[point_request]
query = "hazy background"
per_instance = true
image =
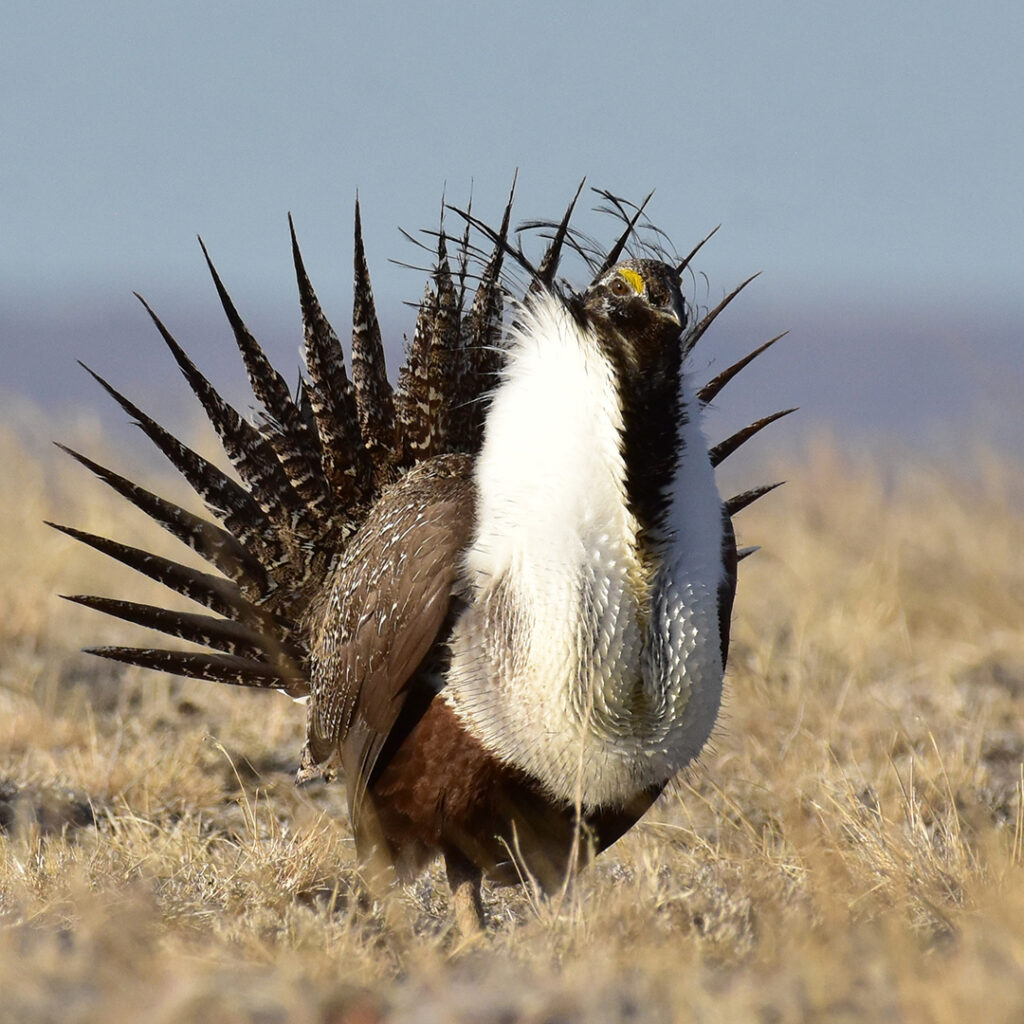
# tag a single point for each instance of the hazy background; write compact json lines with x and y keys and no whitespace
{"x":868,"y":158}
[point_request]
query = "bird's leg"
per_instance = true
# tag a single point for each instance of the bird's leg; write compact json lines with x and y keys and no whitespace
{"x":464,"y":879}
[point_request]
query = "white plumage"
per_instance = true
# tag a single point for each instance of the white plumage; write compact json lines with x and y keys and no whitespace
{"x":562,"y":665}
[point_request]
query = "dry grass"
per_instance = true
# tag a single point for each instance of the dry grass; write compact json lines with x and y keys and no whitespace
{"x":849,"y":850}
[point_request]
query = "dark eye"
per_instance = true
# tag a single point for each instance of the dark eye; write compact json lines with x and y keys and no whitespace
{"x":619,"y":287}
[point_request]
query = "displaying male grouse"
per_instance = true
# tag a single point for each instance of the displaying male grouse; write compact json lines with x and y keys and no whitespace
{"x":504,"y":586}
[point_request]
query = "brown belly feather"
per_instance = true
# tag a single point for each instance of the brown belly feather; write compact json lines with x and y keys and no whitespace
{"x":442,"y":791}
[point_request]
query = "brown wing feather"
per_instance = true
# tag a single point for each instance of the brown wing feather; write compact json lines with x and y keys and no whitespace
{"x":388,"y":601}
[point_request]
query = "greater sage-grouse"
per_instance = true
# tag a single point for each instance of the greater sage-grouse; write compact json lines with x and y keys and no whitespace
{"x":504,"y":585}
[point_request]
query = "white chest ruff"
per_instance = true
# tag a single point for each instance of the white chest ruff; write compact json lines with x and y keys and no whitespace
{"x":571,"y":662}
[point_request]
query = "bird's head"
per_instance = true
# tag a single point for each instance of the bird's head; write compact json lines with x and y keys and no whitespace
{"x":638,"y":299}
{"x":637,"y":312}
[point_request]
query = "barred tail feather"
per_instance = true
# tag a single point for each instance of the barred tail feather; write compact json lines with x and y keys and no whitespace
{"x":220,"y":634}
{"x":412,"y":397}
{"x":373,"y":392}
{"x":217,"y":668}
{"x":249,"y":452}
{"x":432,"y":379}
{"x":444,"y":369}
{"x":216,"y":545}
{"x":346,"y":461}
{"x":214,"y":592}
{"x":295,"y":445}
{"x":227,"y":500}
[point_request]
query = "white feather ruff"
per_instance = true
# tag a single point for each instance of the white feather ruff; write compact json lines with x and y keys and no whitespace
{"x":552,"y":665}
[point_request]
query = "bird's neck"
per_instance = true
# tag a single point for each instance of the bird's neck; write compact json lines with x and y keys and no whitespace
{"x":653,"y":412}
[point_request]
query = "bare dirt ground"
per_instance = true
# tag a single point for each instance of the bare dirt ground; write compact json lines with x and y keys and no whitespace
{"x":849,"y":849}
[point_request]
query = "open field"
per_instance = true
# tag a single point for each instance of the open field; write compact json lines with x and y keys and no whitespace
{"x":850,"y":849}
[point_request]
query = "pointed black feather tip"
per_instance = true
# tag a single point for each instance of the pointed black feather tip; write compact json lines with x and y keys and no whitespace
{"x":442,"y":268}
{"x":709,"y":318}
{"x":506,"y":217}
{"x":222,"y":293}
{"x":488,"y":279}
{"x":738,"y":502}
{"x":363,"y":293}
{"x":696,"y":249}
{"x":138,"y":416}
{"x":269,"y":387}
{"x":615,"y":252}
{"x":464,"y":252}
{"x":360,"y":254}
{"x":297,"y":261}
{"x":548,"y":266}
{"x":165,"y":441}
{"x":710,"y":390}
{"x":222,"y":634}
{"x":308,"y":301}
{"x":196,"y":381}
{"x":721,"y":451}
{"x":365,"y":324}
{"x":499,"y":239}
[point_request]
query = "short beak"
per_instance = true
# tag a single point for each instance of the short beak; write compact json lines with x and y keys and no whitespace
{"x":676,"y":310}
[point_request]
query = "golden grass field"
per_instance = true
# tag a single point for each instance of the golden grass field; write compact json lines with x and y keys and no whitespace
{"x":850,"y":849}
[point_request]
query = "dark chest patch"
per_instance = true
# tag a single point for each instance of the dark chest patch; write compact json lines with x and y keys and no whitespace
{"x":640,"y":333}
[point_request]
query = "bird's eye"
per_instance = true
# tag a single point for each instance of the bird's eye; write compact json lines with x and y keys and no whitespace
{"x":619,"y":287}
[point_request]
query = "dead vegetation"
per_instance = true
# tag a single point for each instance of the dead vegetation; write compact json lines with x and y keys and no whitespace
{"x":850,"y":849}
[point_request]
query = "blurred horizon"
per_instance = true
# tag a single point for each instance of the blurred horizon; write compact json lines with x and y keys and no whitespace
{"x":867,"y":160}
{"x":947,"y":377}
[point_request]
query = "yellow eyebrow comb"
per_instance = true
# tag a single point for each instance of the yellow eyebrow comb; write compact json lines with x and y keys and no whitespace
{"x":635,"y":279}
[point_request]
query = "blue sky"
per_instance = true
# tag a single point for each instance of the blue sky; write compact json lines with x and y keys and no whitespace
{"x":868,"y":158}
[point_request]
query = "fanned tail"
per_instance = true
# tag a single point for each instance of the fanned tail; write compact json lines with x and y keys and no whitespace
{"x":311,"y":466}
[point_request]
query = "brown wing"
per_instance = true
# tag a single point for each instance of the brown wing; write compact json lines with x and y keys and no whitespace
{"x":387,"y":604}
